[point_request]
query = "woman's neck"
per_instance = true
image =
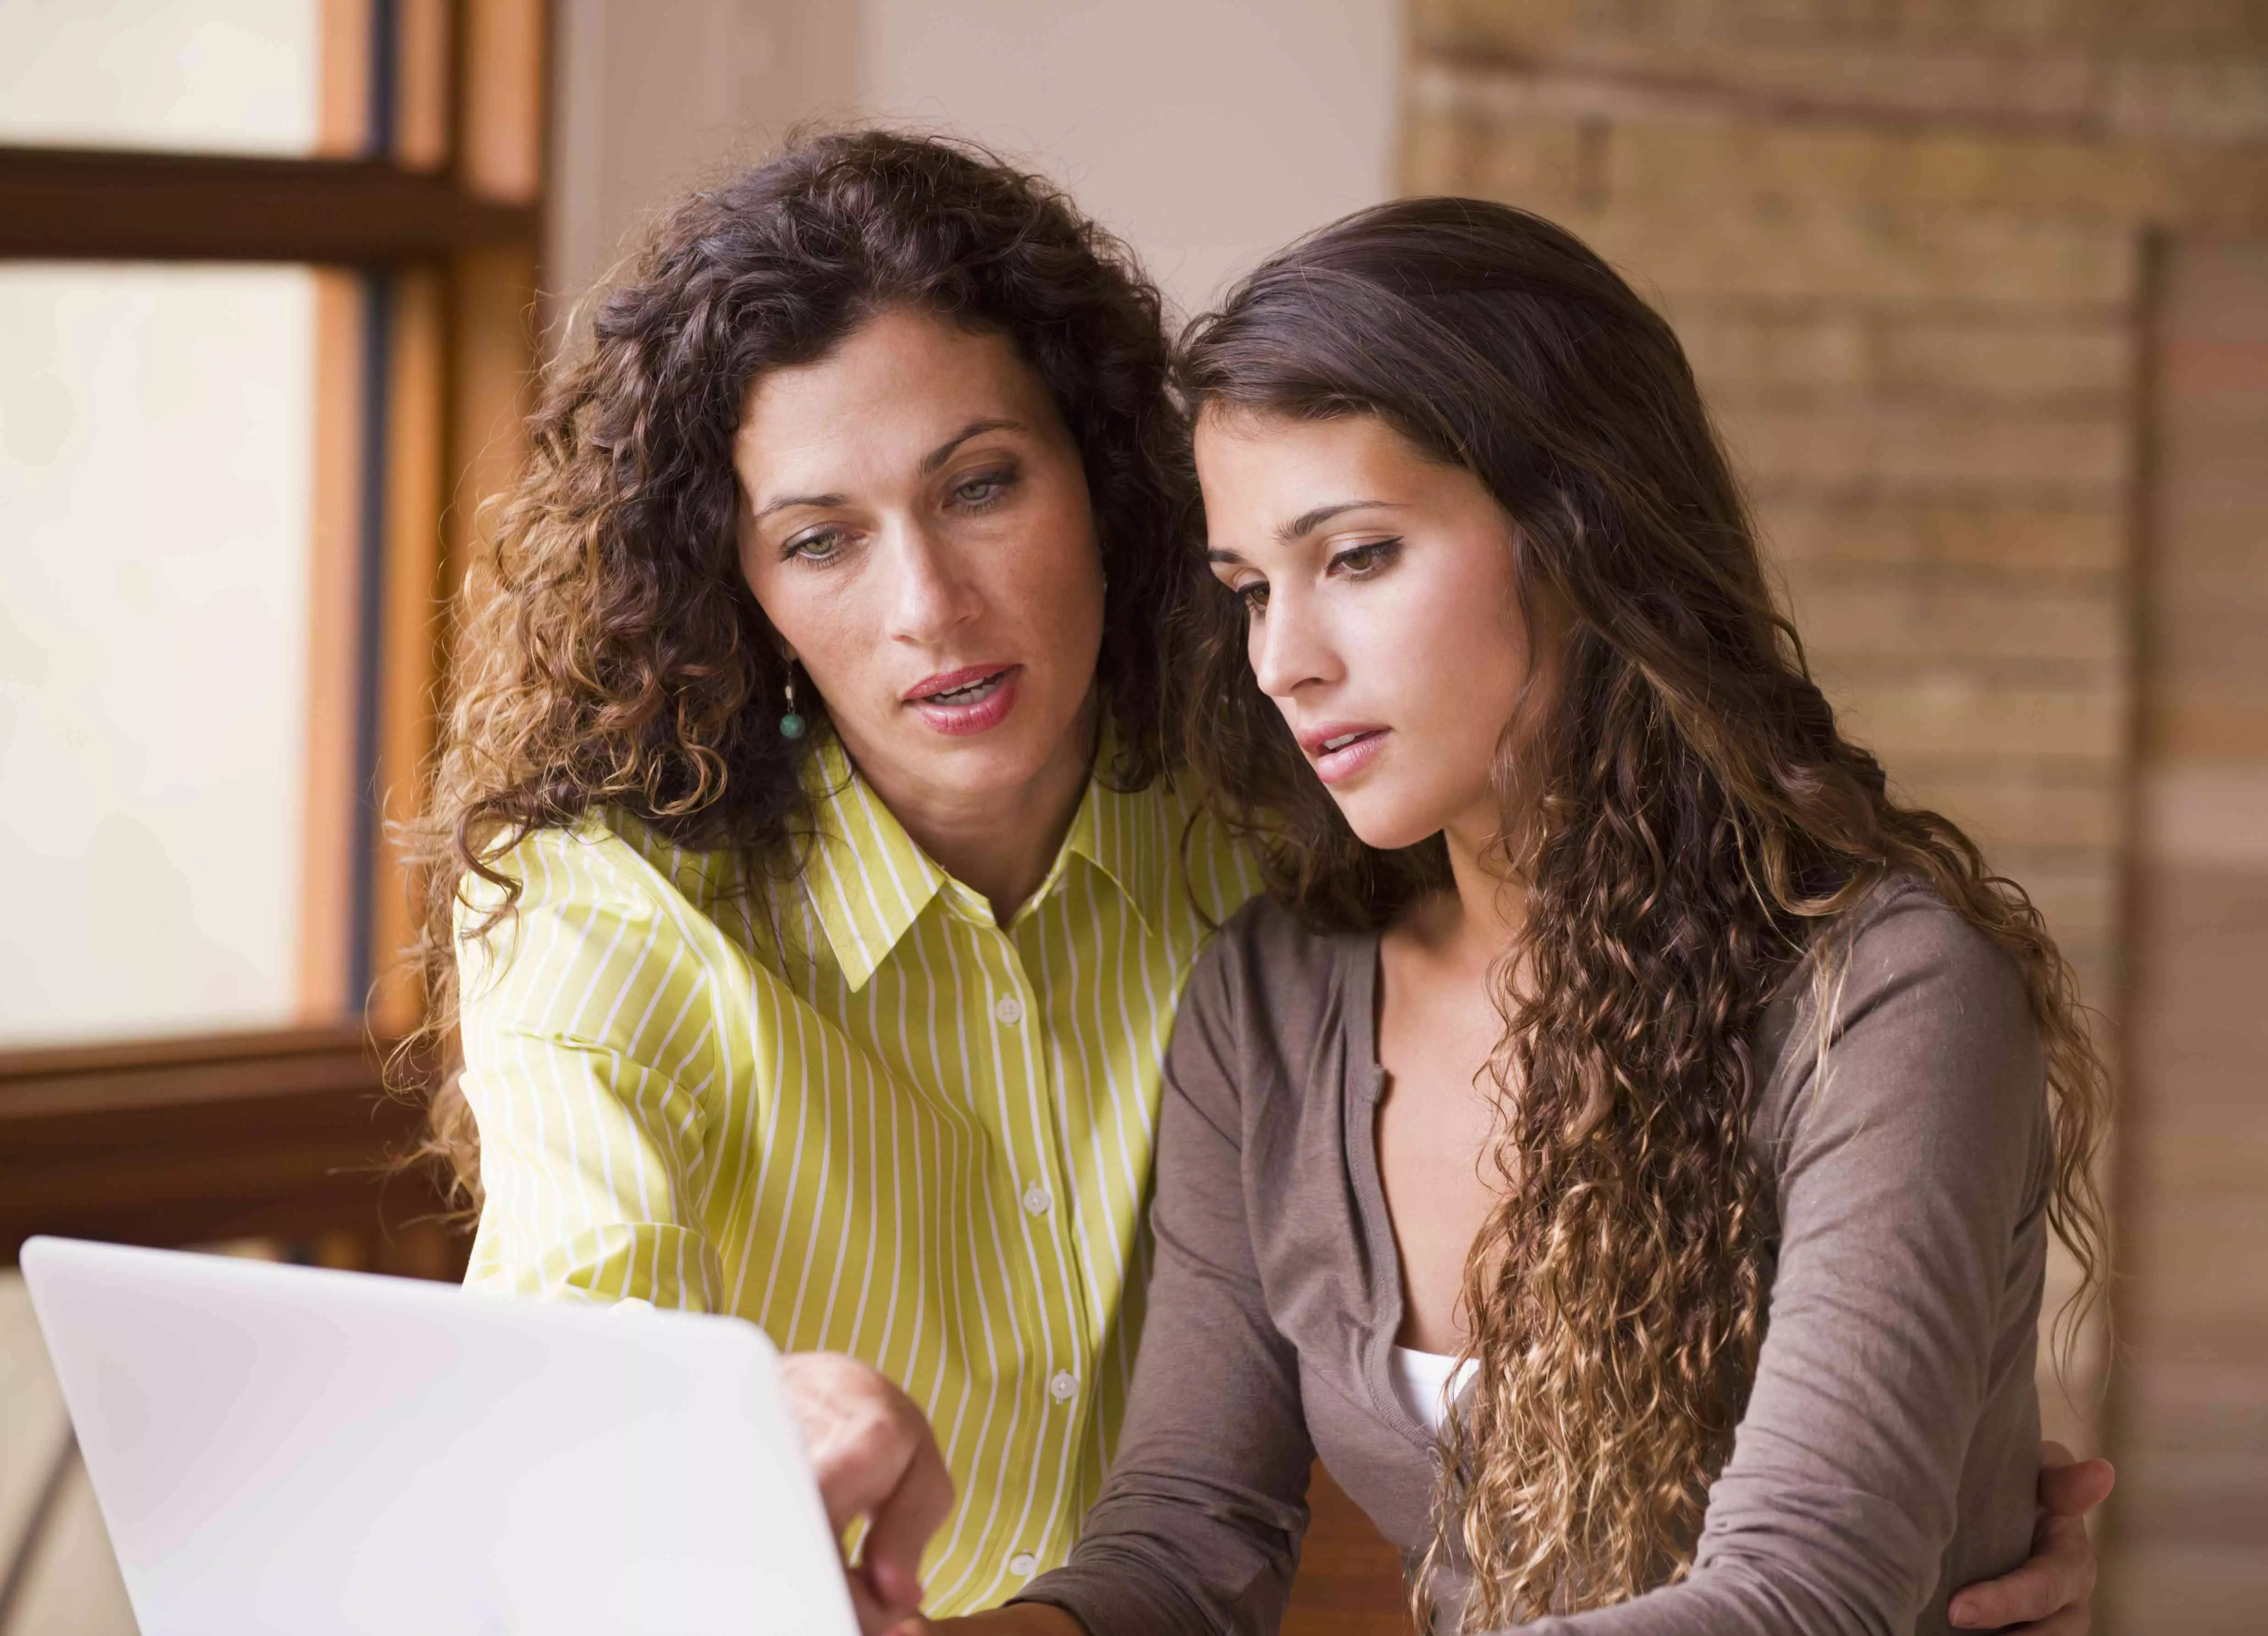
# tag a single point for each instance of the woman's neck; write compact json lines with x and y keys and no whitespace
{"x":1486,"y":910}
{"x":1000,"y":843}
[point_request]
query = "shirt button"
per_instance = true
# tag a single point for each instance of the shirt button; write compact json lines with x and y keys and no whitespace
{"x":1010,"y":1010}
{"x":1036,"y":1199}
{"x":1065,"y":1387}
{"x":1023,"y":1564}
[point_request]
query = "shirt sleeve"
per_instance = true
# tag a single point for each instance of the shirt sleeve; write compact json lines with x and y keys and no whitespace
{"x":1198,"y":1527}
{"x":1905,"y":1182}
{"x":587,"y":1022}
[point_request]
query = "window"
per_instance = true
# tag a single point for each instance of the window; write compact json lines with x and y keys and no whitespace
{"x":159,"y":447}
{"x":201,"y":76}
{"x":267,"y":273}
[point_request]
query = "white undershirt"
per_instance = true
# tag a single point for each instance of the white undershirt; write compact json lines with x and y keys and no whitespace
{"x":1427,"y":1382}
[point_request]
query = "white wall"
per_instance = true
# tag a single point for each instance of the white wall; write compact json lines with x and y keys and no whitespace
{"x":651,"y":95}
{"x":1205,"y":132}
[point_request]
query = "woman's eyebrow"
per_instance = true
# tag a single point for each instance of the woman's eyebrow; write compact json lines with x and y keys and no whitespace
{"x":943,"y":453}
{"x":1306,"y":522}
{"x":788,"y":501}
{"x":930,"y":463}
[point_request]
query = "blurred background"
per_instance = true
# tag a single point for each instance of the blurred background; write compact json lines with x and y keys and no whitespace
{"x":1979,"y":289}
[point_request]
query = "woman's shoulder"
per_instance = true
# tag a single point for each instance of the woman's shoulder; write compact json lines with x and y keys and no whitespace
{"x":1926,"y":1017}
{"x":1904,"y":933}
{"x":606,"y":855}
{"x":1264,"y":1035}
{"x":604,"y":884}
{"x":1279,"y":981}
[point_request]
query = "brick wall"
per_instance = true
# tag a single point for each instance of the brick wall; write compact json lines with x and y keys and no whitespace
{"x":2190,"y":1418}
{"x":1915,"y":249}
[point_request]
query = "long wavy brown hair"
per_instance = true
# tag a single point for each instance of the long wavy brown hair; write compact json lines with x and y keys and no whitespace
{"x":1689,"y":823}
{"x":610,"y":655}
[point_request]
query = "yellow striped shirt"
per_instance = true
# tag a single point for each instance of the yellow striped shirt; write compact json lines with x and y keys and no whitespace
{"x":854,"y":1110}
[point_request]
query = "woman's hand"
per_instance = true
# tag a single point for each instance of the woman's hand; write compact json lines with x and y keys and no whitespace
{"x":875,"y":1457}
{"x":2049,"y":1594}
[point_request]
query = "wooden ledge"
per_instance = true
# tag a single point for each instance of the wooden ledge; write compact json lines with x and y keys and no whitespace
{"x":287,"y":1134}
{"x":85,"y":203}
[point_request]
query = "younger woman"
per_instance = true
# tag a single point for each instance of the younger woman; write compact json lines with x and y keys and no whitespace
{"x":1625,"y":1148}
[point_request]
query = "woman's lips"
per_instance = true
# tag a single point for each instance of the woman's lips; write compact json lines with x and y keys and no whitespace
{"x":968,"y":701}
{"x":1352,"y":755}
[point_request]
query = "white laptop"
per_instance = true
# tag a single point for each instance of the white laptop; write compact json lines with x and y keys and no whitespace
{"x":284,"y":1449}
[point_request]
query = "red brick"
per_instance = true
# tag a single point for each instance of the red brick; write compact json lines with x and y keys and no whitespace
{"x":1740,"y":349}
{"x":1903,"y":350}
{"x":2222,"y":99}
{"x":1884,"y":255}
{"x":2213,"y":292}
{"x":2004,"y":804}
{"x":2093,"y":361}
{"x":1949,"y":713}
{"x":2197,"y":1587}
{"x":1897,"y":443}
{"x":2085,"y":544}
{"x":1535,"y":162}
{"x":1933,"y":613}
{"x":2078,"y":895}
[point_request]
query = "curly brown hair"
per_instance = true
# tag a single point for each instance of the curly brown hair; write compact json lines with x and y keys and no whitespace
{"x":610,"y":654}
{"x":1693,"y":821}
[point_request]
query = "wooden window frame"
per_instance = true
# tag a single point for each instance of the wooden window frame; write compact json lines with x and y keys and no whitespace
{"x":424,"y":214}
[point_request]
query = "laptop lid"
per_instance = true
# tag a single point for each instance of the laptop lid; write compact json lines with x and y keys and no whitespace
{"x":288,"y":1449}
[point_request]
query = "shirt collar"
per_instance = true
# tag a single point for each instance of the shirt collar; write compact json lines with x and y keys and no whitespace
{"x":1129,"y":837}
{"x":867,"y":879}
{"x":869,"y":882}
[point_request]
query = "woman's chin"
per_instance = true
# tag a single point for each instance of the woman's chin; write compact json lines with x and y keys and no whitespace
{"x":1385,"y":825}
{"x":997,"y":757}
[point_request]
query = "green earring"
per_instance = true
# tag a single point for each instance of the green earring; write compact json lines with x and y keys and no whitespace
{"x":791,"y":726}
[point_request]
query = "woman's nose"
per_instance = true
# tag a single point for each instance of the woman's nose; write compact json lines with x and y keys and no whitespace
{"x":932,"y":594}
{"x":1287,"y":649}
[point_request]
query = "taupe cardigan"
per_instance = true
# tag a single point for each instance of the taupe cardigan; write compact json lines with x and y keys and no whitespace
{"x":1890,"y":1448}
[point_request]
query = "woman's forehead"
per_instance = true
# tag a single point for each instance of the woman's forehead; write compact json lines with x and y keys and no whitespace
{"x":900,"y":388}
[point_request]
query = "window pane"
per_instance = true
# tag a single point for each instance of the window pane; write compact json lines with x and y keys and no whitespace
{"x":209,"y":76}
{"x":156,"y":514}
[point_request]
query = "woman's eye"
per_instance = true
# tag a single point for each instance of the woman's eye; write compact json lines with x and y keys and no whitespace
{"x":818,"y":547}
{"x":982,"y":489}
{"x":1253,"y":594}
{"x":1361,"y":560}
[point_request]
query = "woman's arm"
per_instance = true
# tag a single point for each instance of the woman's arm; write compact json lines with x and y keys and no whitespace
{"x":1198,"y":1527}
{"x":589,"y":1038}
{"x":1905,"y":1182}
{"x":587,"y":1018}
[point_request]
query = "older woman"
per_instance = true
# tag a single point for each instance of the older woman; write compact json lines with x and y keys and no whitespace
{"x":811,"y":884}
